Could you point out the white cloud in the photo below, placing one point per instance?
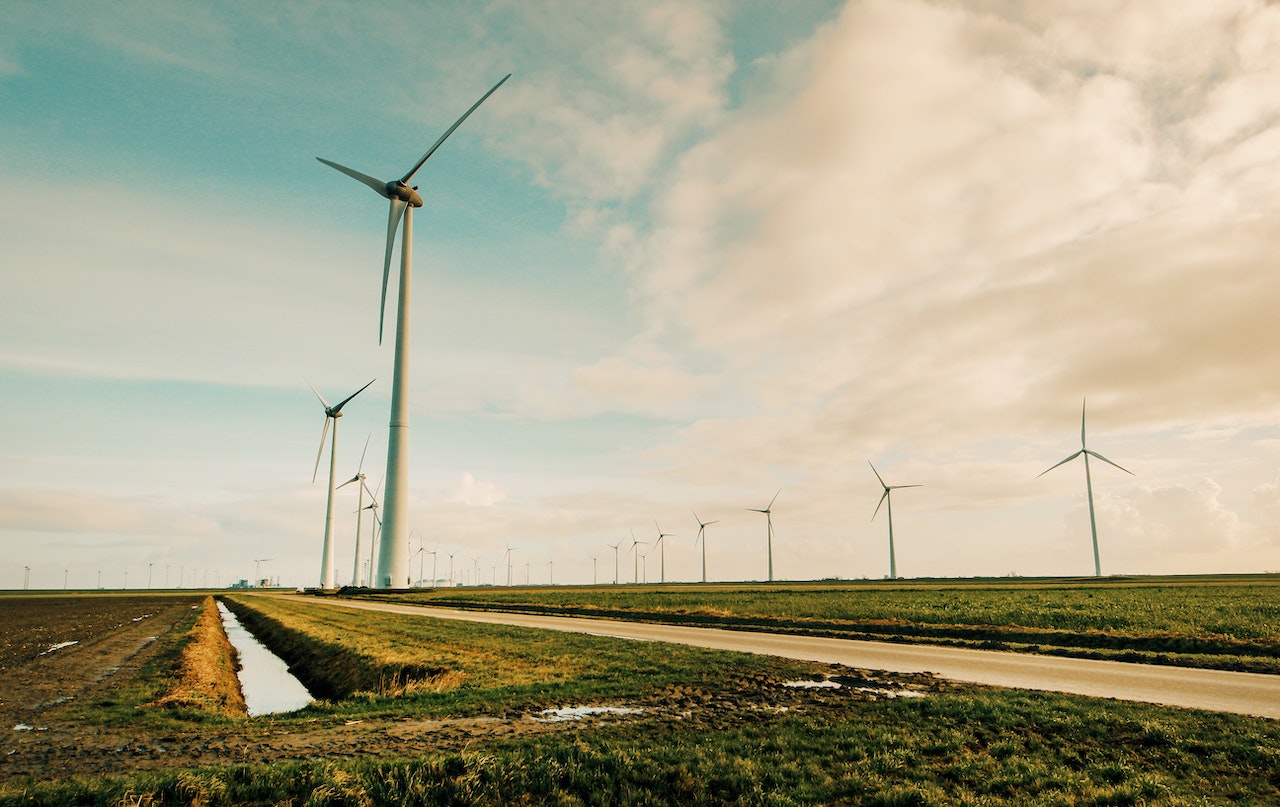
(476, 492)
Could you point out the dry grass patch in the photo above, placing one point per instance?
(204, 676)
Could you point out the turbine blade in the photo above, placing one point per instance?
(377, 184)
(709, 523)
(1064, 462)
(348, 482)
(323, 402)
(360, 467)
(450, 130)
(343, 402)
(897, 487)
(771, 501)
(1093, 453)
(877, 473)
(394, 214)
(883, 496)
(1083, 404)
(320, 453)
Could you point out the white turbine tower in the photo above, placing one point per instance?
(662, 556)
(1088, 483)
(361, 487)
(393, 557)
(886, 497)
(331, 413)
(702, 536)
(768, 514)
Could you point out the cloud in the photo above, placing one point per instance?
(951, 223)
(475, 492)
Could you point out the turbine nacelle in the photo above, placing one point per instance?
(406, 193)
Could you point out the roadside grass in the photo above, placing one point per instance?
(967, 746)
(434, 667)
(1228, 622)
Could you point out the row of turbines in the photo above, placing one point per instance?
(639, 557)
(391, 568)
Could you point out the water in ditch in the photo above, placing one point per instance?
(265, 680)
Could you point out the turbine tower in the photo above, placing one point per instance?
(635, 572)
(327, 574)
(768, 514)
(886, 497)
(1088, 484)
(393, 555)
(662, 556)
(702, 536)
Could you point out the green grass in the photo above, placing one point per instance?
(974, 747)
(1224, 622)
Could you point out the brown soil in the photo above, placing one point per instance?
(40, 695)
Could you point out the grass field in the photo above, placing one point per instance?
(717, 728)
(1227, 622)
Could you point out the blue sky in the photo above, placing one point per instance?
(691, 253)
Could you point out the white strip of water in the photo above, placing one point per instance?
(265, 680)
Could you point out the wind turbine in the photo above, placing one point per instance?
(614, 547)
(634, 543)
(507, 557)
(331, 413)
(594, 576)
(768, 514)
(361, 487)
(885, 497)
(662, 556)
(1088, 482)
(393, 560)
(702, 536)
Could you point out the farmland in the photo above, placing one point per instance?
(1218, 622)
(425, 711)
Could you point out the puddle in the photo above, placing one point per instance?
(265, 680)
(579, 712)
(824, 684)
(59, 646)
(838, 682)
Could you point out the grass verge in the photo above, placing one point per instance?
(203, 677)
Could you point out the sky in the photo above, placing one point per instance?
(690, 256)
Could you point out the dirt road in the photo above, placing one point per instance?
(1216, 690)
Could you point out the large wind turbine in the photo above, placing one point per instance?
(886, 497)
(702, 536)
(393, 556)
(768, 514)
(361, 487)
(1088, 483)
(327, 573)
(662, 556)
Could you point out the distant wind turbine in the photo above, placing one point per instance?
(768, 514)
(662, 556)
(886, 497)
(393, 560)
(702, 536)
(507, 558)
(1088, 482)
(331, 413)
(634, 543)
(361, 487)
(614, 547)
